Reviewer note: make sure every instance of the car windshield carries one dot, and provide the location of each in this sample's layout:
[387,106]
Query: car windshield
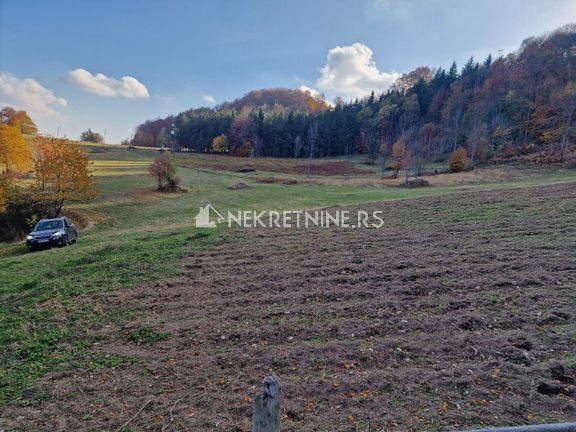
[49,225]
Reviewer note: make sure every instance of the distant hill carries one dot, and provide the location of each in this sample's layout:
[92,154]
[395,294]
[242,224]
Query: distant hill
[291,99]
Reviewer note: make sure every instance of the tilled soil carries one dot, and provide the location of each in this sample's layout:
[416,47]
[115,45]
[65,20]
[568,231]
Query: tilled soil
[459,313]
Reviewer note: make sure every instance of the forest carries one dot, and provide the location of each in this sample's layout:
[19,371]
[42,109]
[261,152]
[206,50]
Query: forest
[517,106]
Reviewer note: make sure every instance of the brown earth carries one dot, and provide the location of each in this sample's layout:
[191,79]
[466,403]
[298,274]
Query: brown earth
[450,317]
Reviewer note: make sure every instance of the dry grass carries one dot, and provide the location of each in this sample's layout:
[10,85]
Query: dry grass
[493,174]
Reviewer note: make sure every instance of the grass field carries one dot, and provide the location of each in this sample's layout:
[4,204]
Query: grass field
[59,307]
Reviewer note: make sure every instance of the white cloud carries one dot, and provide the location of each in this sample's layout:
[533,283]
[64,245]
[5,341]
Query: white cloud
[351,72]
[306,89]
[100,84]
[209,99]
[29,95]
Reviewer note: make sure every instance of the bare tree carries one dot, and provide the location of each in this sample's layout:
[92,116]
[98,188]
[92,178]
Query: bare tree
[312,138]
[298,144]
[384,151]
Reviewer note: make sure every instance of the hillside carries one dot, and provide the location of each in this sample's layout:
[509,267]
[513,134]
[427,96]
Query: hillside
[518,106]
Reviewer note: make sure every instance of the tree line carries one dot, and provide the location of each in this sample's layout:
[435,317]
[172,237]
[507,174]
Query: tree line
[521,105]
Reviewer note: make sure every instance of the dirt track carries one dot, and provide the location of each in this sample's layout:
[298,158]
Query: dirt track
[449,317]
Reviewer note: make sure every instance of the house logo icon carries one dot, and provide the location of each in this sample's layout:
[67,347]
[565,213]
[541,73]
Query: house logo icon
[203,217]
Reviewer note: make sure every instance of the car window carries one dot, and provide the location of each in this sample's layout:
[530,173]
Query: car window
[49,225]
[66,222]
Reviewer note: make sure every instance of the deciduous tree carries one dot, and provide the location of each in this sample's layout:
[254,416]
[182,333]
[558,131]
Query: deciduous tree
[243,133]
[91,136]
[220,144]
[19,119]
[15,152]
[62,173]
[400,156]
[458,160]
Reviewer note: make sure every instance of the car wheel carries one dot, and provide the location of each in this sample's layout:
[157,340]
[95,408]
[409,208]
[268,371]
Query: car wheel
[64,241]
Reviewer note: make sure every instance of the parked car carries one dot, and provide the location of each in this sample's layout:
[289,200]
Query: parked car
[52,232]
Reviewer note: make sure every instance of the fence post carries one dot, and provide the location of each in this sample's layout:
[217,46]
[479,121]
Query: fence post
[266,415]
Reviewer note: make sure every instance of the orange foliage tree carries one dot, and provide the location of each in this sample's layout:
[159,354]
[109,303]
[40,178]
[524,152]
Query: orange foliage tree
[400,156]
[62,173]
[458,160]
[19,119]
[15,154]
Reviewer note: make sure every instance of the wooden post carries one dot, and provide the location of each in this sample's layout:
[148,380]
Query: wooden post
[266,415]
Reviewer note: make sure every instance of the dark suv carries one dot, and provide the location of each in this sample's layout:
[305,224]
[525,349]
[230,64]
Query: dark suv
[52,232]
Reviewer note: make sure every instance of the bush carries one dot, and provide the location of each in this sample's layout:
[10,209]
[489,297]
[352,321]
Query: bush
[20,214]
[458,160]
[164,169]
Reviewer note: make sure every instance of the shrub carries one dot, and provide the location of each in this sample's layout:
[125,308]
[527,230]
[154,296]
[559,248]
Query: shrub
[21,212]
[458,160]
[164,169]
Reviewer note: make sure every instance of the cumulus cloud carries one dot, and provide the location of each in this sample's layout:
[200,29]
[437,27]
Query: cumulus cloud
[351,72]
[29,95]
[100,84]
[209,99]
[306,89]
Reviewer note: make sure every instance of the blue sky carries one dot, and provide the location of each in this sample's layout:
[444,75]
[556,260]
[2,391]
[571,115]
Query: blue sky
[182,54]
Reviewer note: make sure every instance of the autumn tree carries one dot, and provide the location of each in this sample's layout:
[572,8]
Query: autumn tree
[164,170]
[15,152]
[243,133]
[62,173]
[220,144]
[400,156]
[19,119]
[458,160]
[409,80]
[91,136]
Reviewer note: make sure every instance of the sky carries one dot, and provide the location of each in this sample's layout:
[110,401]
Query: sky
[109,65]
